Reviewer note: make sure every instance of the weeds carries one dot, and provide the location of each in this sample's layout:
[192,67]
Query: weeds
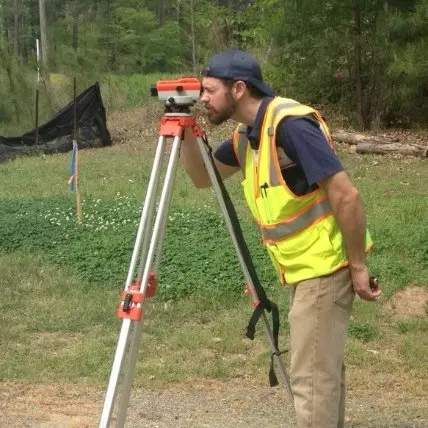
[198,256]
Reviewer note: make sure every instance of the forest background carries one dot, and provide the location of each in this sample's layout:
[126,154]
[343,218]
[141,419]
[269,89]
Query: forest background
[366,60]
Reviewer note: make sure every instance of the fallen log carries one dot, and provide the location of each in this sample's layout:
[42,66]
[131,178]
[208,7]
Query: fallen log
[355,138]
[393,148]
[348,137]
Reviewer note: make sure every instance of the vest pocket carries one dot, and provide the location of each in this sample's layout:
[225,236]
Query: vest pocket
[269,203]
[275,205]
[331,233]
[263,205]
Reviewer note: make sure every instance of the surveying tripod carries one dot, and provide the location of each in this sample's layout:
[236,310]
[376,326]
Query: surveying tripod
[179,96]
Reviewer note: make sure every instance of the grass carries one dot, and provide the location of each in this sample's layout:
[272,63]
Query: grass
[119,92]
[122,92]
[59,327]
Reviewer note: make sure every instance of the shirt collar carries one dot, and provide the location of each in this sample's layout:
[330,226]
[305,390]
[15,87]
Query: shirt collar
[253,132]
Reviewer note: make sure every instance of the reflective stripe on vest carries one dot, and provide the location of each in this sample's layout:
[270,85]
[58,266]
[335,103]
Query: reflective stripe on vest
[242,147]
[288,104]
[273,176]
[280,231]
[243,143]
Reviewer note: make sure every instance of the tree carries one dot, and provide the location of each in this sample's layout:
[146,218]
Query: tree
[368,59]
[43,36]
[357,65]
[16,28]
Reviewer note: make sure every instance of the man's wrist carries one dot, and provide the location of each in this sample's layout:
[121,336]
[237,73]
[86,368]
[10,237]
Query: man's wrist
[357,266]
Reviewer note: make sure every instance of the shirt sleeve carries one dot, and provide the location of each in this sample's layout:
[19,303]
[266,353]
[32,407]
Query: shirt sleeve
[305,144]
[226,154]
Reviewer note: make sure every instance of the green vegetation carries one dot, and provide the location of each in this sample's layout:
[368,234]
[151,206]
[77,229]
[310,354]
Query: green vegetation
[119,92]
[61,281]
[366,60]
[100,249]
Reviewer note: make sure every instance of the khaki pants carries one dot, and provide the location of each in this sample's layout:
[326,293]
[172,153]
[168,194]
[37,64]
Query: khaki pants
[319,317]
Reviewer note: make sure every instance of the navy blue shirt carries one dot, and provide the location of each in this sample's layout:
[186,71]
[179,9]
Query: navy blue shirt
[303,142]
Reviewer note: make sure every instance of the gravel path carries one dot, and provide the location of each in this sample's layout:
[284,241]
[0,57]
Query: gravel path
[206,403]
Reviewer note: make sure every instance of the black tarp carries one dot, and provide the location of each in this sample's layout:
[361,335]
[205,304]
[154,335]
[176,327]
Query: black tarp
[56,135]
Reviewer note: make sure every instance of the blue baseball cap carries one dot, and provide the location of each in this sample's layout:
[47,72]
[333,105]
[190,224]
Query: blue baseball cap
[234,64]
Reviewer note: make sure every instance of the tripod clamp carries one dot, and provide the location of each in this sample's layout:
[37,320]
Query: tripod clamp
[131,300]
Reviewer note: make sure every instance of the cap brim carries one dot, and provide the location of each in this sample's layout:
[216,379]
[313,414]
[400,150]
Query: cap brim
[263,88]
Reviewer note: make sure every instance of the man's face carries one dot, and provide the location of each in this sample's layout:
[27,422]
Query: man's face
[218,100]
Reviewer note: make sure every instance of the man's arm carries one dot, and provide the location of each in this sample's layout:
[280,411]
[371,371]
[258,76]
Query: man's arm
[193,163]
[348,210]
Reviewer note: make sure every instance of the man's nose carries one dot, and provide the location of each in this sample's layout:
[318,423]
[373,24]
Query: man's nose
[204,97]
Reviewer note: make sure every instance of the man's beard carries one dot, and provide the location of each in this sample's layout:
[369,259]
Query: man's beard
[218,117]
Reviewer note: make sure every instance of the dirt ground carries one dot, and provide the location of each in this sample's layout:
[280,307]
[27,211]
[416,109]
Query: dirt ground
[375,400]
[203,403]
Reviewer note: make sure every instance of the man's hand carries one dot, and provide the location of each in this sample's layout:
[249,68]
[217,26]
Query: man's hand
[361,282]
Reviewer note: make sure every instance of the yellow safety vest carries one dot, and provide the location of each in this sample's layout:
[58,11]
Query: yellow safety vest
[300,232]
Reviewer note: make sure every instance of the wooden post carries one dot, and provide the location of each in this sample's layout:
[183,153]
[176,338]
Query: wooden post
[76,165]
[37,118]
[37,92]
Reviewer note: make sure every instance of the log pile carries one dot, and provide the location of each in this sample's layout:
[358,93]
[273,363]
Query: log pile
[379,144]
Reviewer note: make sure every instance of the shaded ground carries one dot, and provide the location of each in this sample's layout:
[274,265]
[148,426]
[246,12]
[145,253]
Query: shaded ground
[205,403]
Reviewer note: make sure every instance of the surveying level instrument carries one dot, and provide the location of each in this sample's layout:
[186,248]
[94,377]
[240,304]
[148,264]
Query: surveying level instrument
[179,96]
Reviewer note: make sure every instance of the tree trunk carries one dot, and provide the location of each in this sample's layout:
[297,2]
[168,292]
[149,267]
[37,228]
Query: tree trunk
[6,62]
[385,6]
[357,64]
[16,28]
[177,5]
[43,37]
[193,37]
[161,13]
[178,10]
[75,30]
[1,21]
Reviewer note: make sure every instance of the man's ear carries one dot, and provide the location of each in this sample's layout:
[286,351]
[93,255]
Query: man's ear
[239,89]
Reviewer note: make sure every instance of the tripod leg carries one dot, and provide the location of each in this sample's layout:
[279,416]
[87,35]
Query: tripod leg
[211,172]
[164,202]
[141,242]
[126,324]
[162,229]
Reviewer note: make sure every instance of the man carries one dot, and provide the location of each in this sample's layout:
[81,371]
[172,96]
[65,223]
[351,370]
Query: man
[310,215]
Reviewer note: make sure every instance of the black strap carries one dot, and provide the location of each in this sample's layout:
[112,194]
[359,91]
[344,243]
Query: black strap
[264,302]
